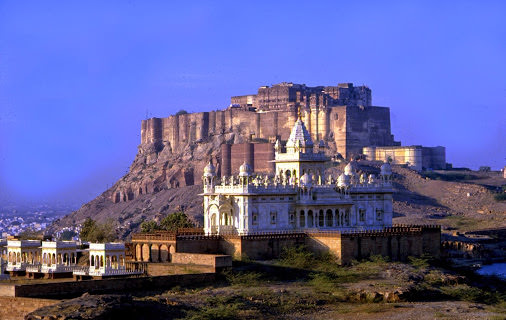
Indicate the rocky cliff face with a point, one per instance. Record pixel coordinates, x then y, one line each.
160 180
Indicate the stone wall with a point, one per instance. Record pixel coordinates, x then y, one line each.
416 157
216 262
349 128
76 288
397 243
17 308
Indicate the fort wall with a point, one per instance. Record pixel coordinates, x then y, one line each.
350 128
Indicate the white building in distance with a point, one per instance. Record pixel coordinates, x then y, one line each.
299 198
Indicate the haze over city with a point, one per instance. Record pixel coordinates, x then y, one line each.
76 79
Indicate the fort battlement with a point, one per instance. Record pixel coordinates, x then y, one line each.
342 115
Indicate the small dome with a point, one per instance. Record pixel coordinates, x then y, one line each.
386 169
351 168
306 180
277 145
209 170
245 169
343 180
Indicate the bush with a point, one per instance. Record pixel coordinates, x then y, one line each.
180 112
297 257
472 294
149 226
172 222
176 220
500 197
93 231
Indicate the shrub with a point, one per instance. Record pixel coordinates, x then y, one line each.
297 257
93 231
500 197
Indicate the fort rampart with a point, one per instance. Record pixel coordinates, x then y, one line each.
348 128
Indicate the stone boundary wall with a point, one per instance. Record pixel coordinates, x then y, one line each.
217 262
77 288
17 308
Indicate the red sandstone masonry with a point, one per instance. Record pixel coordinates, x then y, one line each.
77 288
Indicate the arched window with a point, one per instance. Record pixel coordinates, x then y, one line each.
328 219
302 219
310 221
361 215
321 219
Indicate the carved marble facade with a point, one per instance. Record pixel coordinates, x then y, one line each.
299 197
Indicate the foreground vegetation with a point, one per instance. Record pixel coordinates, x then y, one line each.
301 284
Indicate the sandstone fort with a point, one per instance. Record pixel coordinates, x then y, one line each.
342 118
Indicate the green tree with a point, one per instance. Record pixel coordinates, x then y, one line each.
149 226
67 235
180 112
93 231
88 226
175 221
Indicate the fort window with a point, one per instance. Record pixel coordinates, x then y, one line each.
292 218
329 218
310 223
255 219
290 198
336 117
302 219
321 219
281 199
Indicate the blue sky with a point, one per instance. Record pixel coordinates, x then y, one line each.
77 77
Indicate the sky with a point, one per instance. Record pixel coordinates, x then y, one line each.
77 77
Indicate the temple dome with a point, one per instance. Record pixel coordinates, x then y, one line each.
299 136
245 169
209 170
343 180
386 169
351 168
306 180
